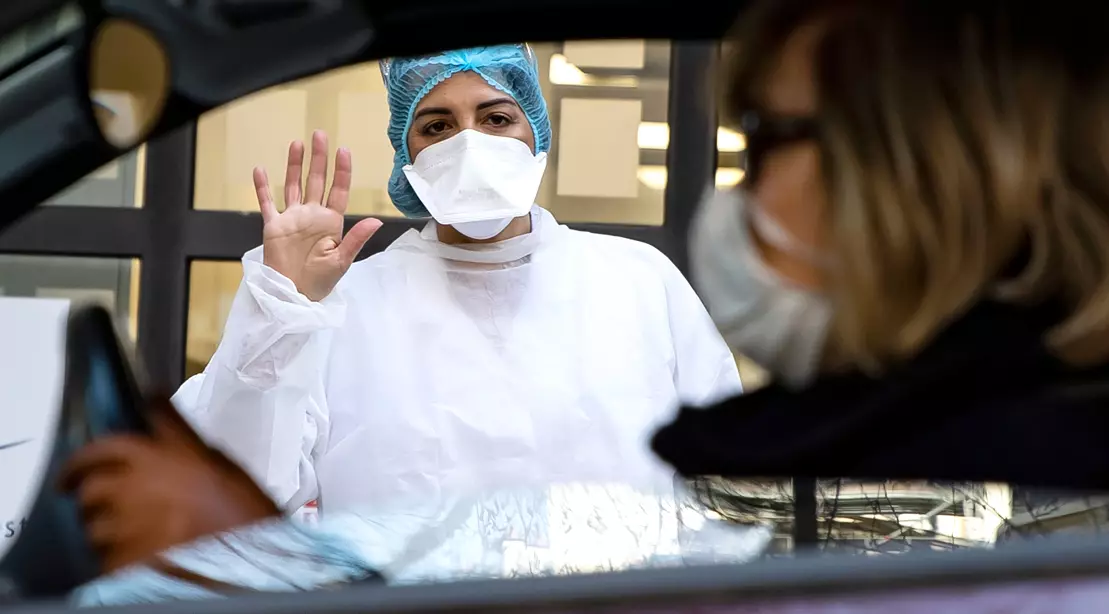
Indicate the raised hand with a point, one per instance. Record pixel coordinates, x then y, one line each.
305 242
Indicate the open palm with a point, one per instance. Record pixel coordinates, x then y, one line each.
305 242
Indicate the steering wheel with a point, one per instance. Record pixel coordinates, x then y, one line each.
101 396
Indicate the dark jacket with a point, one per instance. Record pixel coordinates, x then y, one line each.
984 402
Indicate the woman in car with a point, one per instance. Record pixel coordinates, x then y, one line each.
494 349
922 237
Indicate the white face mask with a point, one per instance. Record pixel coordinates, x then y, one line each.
477 182
774 322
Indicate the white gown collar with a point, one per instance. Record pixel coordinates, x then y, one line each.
543 225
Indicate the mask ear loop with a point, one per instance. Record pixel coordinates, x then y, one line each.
770 230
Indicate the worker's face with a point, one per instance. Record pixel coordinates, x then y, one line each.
790 187
466 102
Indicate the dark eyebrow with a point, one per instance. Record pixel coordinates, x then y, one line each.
495 102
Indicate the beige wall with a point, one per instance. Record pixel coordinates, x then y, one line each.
255 131
212 287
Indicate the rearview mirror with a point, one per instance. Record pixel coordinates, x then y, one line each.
129 81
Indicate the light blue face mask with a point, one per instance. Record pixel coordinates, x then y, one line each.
772 233
776 323
512 69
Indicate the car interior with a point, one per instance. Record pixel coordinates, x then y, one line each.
128 72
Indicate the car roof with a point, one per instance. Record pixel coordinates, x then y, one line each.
201 35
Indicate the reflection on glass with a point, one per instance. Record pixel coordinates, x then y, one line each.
894 517
868 517
608 107
888 517
111 283
560 529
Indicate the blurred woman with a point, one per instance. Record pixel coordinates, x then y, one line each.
919 253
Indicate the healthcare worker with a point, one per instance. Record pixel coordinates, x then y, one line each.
494 349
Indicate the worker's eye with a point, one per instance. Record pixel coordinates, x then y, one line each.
435 128
500 120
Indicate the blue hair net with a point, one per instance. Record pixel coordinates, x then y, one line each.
510 68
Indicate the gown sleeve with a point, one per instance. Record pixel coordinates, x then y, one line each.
261 398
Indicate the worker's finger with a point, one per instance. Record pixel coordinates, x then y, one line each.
294 169
339 195
317 170
265 197
356 239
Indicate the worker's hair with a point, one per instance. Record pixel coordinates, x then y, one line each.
965 150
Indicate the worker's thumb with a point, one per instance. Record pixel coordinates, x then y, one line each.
356 238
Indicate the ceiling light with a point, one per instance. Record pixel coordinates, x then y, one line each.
654 177
730 140
656 135
564 72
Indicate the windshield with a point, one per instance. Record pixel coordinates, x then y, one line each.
434 311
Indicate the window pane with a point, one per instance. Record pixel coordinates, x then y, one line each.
212 287
117 184
608 102
111 282
608 106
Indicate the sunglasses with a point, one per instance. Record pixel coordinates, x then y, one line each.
764 133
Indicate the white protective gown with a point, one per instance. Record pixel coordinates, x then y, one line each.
435 372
